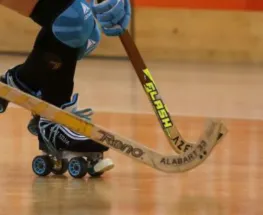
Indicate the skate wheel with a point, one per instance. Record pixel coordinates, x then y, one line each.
60 167
42 165
77 167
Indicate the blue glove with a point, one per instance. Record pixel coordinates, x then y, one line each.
113 15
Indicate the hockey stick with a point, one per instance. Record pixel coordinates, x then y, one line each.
169 128
139 152
161 111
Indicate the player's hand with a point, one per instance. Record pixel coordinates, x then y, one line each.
113 15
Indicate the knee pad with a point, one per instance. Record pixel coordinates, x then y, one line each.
91 43
74 25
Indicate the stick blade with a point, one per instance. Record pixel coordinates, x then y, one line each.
194 157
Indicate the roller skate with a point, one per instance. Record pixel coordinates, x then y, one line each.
10 78
65 150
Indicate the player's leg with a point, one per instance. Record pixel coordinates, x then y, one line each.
54 137
54 58
50 68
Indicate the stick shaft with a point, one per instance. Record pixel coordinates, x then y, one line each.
161 111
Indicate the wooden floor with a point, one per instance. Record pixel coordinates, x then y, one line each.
228 183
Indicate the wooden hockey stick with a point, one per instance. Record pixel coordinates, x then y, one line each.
134 150
169 128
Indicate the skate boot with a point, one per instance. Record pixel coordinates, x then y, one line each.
10 78
65 148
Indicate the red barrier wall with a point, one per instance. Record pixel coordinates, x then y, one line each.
204 4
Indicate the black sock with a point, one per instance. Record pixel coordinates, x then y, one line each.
50 68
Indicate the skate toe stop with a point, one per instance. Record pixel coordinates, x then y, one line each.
104 165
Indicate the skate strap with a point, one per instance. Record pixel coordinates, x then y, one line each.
50 140
72 107
84 114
